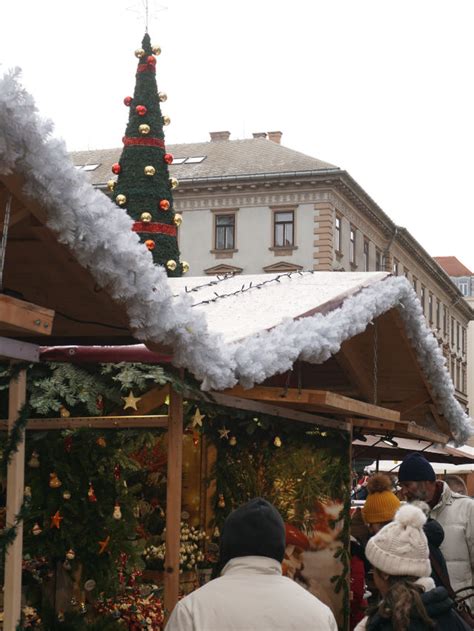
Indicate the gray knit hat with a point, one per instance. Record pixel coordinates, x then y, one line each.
400 548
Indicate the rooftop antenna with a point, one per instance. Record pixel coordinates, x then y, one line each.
144 11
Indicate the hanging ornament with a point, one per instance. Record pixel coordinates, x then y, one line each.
150 244
141 110
156 50
116 168
171 265
162 96
131 401
164 204
224 433
91 493
68 444
83 609
54 481
99 402
151 61
177 219
216 533
277 441
89 585
111 185
34 462
117 514
195 438
166 120
101 442
103 544
144 129
168 158
127 101
36 530
174 182
67 495
197 419
185 267
233 441
56 520
221 502
136 511
64 412
149 170
146 217
117 472
27 492
121 200
70 554
139 53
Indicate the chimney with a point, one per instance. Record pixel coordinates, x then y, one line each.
275 136
219 135
259 134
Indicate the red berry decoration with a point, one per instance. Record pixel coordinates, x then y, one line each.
116 168
164 204
150 244
127 101
168 158
151 60
141 110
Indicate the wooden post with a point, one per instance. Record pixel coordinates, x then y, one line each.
15 492
173 501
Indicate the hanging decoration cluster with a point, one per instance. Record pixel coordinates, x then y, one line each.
144 186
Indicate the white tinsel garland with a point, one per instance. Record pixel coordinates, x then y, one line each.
100 235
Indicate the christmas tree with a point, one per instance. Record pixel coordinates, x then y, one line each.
144 187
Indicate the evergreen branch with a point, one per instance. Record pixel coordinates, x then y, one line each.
15 436
8 535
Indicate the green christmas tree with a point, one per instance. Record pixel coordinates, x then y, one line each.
144 187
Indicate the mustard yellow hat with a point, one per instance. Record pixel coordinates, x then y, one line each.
381 504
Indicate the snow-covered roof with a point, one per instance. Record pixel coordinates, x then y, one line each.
247 337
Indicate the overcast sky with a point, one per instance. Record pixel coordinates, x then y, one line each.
380 88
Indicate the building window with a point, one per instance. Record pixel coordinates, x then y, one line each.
445 320
225 232
366 255
458 376
423 298
453 370
430 308
463 287
452 331
338 234
415 285
464 379
463 340
406 272
458 336
395 267
438 314
352 246
283 229
378 260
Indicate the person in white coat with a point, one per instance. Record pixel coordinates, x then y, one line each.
455 513
251 594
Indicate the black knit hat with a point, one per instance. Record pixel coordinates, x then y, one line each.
416 468
254 529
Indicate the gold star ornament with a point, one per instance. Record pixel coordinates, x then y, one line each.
224 433
197 419
131 401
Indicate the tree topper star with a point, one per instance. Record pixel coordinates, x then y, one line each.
197 418
224 433
131 401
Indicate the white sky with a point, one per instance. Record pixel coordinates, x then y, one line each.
381 88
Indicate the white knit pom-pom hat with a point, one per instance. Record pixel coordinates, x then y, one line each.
400 548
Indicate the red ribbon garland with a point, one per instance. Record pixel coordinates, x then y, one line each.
144 142
146 68
160 228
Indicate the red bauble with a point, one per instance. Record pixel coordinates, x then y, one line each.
150 244
127 101
168 158
151 60
164 204
141 110
116 168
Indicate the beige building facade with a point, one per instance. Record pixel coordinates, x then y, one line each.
252 206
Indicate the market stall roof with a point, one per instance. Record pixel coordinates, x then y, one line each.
375 447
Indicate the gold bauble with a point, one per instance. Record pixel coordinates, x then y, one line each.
139 53
121 200
233 441
111 185
171 265
70 554
277 441
166 120
117 514
65 413
185 267
144 129
36 530
149 170
54 481
145 217
177 219
67 495
221 502
162 96
156 50
174 182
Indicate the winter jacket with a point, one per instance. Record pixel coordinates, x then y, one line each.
435 534
455 513
439 608
252 595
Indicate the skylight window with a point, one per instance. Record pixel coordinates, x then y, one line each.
178 160
195 160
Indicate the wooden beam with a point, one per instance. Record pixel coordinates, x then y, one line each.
151 400
402 428
24 317
15 184
425 433
413 402
275 410
173 502
353 365
94 422
23 351
323 400
15 493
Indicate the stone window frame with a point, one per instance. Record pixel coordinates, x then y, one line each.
283 250
218 212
